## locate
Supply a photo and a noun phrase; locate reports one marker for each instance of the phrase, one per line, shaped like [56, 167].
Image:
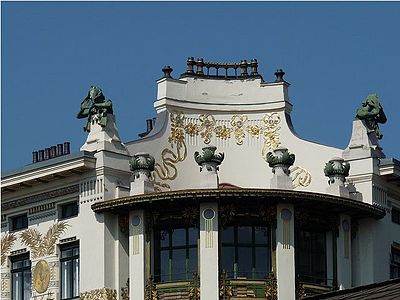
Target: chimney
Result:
[209, 166]
[141, 164]
[280, 161]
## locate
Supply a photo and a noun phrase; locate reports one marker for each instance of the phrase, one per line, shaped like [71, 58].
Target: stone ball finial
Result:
[337, 168]
[142, 161]
[209, 156]
[280, 158]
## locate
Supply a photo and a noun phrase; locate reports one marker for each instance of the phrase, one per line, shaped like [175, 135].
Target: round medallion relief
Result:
[208, 214]
[41, 276]
[136, 220]
[286, 214]
[346, 225]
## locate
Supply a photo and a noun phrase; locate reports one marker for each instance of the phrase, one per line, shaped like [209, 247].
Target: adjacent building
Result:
[218, 199]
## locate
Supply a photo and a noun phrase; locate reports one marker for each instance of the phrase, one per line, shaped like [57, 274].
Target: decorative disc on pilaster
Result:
[209, 156]
[337, 166]
[280, 157]
[142, 161]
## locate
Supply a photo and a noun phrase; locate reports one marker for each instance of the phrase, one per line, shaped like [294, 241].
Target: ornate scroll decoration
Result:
[7, 241]
[125, 291]
[166, 170]
[271, 133]
[300, 177]
[237, 122]
[226, 213]
[43, 245]
[191, 214]
[41, 276]
[207, 124]
[99, 294]
[194, 290]
[271, 287]
[300, 291]
[225, 290]
[48, 296]
[150, 290]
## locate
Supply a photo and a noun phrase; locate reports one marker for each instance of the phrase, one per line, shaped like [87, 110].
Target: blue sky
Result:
[334, 55]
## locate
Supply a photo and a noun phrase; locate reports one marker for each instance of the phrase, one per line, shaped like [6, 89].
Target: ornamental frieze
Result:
[206, 127]
[99, 294]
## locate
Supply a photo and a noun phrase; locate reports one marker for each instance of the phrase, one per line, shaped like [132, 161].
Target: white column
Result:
[344, 253]
[285, 267]
[209, 279]
[136, 255]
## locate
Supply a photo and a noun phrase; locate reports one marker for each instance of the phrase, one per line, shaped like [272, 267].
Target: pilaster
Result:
[344, 253]
[136, 255]
[285, 266]
[209, 279]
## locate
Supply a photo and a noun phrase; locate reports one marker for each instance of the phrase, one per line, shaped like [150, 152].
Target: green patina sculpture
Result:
[142, 161]
[209, 156]
[95, 107]
[372, 113]
[280, 156]
[337, 167]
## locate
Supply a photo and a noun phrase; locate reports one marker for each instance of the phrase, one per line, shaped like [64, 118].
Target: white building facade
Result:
[219, 199]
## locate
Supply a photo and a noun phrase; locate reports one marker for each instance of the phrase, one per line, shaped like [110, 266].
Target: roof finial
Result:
[279, 75]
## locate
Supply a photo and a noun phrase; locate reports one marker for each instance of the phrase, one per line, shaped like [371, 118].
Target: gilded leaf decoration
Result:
[43, 245]
[238, 124]
[271, 133]
[99, 294]
[7, 241]
[207, 124]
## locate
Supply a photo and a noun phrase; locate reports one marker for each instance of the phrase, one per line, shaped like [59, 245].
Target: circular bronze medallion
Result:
[41, 276]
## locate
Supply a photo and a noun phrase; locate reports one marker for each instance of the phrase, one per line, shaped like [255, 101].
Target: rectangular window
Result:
[19, 222]
[395, 263]
[245, 251]
[69, 267]
[69, 210]
[311, 256]
[395, 215]
[176, 253]
[21, 277]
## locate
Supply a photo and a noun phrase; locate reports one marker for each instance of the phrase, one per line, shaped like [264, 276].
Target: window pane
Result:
[164, 238]
[228, 259]
[27, 285]
[178, 264]
[16, 285]
[192, 261]
[244, 262]
[261, 267]
[164, 265]
[228, 234]
[193, 235]
[261, 235]
[66, 253]
[244, 234]
[179, 237]
[76, 277]
[66, 279]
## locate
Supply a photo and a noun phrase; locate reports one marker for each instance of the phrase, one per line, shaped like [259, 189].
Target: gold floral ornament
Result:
[300, 177]
[223, 132]
[238, 124]
[271, 132]
[7, 241]
[166, 170]
[43, 245]
[99, 294]
[206, 128]
[255, 130]
[192, 129]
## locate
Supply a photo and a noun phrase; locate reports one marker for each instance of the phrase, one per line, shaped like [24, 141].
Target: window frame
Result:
[65, 247]
[396, 215]
[23, 270]
[12, 220]
[313, 279]
[394, 265]
[252, 245]
[65, 204]
[169, 228]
